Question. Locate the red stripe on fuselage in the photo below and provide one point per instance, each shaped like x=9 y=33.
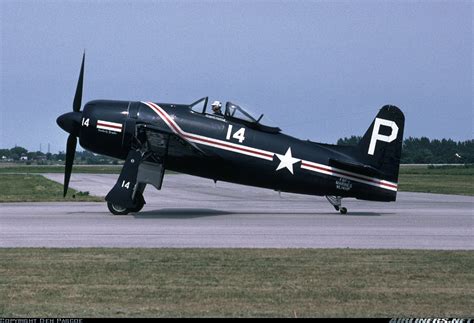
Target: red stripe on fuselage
x=175 y=127
x=208 y=140
x=229 y=146
x=165 y=116
x=346 y=174
x=108 y=125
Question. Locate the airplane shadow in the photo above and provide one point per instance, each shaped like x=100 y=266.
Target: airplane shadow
x=189 y=213
x=179 y=213
x=368 y=213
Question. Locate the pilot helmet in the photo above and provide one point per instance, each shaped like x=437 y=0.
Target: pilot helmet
x=216 y=105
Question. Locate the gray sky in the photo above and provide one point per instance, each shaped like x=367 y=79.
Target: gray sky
x=319 y=70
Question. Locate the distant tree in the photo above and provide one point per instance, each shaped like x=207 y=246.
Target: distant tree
x=5 y=152
x=17 y=152
x=60 y=156
x=352 y=141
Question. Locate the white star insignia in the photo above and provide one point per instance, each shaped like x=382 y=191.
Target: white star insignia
x=287 y=161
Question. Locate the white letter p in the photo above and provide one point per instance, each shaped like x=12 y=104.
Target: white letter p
x=377 y=136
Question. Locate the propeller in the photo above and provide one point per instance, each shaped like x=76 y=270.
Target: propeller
x=71 y=122
x=76 y=106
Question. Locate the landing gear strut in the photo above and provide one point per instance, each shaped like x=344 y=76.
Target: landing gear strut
x=144 y=165
x=127 y=195
x=336 y=202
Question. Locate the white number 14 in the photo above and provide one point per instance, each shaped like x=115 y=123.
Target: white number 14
x=239 y=134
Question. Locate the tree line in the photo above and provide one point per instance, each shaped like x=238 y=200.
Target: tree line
x=429 y=151
x=415 y=151
x=20 y=154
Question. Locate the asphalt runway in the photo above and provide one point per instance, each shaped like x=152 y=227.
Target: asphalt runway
x=194 y=212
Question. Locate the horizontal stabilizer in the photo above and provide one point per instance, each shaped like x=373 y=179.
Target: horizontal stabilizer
x=356 y=168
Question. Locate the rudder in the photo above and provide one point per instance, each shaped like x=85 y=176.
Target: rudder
x=381 y=145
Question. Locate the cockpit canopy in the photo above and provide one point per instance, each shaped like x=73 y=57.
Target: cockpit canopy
x=236 y=113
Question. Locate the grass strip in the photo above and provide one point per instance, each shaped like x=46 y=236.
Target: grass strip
x=235 y=283
x=37 y=188
x=39 y=169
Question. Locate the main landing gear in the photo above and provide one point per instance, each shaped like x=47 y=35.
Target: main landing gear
x=117 y=209
x=336 y=202
x=127 y=194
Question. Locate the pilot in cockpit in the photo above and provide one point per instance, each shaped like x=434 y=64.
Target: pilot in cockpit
x=216 y=107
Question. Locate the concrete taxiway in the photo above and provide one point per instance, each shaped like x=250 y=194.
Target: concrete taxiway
x=194 y=212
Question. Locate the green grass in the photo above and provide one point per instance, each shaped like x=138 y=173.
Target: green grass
x=36 y=188
x=235 y=282
x=38 y=169
x=439 y=179
x=437 y=170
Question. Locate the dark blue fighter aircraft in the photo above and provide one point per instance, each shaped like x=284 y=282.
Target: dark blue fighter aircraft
x=232 y=146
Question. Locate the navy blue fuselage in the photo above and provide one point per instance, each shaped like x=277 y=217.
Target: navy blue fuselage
x=224 y=148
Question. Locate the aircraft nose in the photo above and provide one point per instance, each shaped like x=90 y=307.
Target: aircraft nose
x=70 y=121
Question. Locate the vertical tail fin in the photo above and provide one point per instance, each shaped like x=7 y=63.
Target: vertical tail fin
x=381 y=146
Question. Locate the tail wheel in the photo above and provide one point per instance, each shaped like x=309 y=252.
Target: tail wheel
x=117 y=209
x=343 y=210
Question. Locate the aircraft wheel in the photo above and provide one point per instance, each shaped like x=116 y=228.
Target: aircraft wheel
x=139 y=201
x=137 y=208
x=343 y=210
x=117 y=209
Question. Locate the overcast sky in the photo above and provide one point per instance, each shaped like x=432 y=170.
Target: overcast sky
x=319 y=70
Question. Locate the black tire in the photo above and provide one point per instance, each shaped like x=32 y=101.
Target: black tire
x=343 y=210
x=137 y=208
x=140 y=202
x=117 y=209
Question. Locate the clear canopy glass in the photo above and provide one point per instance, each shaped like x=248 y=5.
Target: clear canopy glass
x=236 y=111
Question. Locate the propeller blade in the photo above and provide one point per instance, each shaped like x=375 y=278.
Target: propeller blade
x=76 y=106
x=70 y=152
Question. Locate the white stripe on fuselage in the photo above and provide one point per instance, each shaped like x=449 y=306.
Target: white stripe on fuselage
x=208 y=141
x=107 y=125
x=264 y=154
